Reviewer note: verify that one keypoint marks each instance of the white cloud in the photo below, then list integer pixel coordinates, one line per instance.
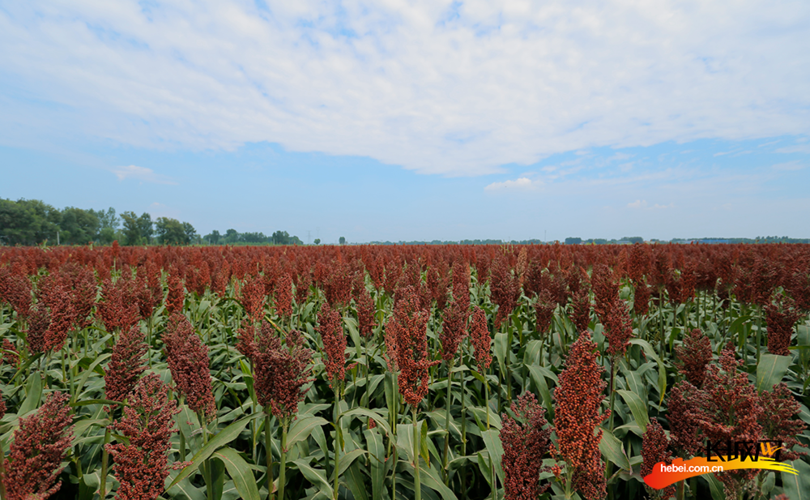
(799, 148)
(790, 166)
(642, 204)
(142, 174)
(522, 183)
(432, 85)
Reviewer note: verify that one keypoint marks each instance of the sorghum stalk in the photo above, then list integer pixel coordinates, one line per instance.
(447, 420)
(209, 484)
(417, 484)
(269, 460)
(283, 461)
(105, 458)
(337, 441)
(463, 438)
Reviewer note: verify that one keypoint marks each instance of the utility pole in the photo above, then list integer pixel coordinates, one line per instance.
(57, 237)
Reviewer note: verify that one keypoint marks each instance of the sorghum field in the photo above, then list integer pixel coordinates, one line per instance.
(436, 372)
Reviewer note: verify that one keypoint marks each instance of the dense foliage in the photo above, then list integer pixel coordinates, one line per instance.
(362, 372)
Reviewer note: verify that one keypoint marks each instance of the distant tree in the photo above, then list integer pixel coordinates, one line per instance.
(108, 225)
(78, 226)
(281, 238)
(317, 241)
(213, 238)
(132, 231)
(634, 239)
(253, 238)
(573, 241)
(231, 236)
(295, 240)
(27, 222)
(147, 229)
(170, 232)
(342, 240)
(191, 233)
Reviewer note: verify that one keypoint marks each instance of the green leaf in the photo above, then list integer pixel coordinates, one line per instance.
(240, 472)
(770, 370)
(715, 487)
(222, 438)
(423, 442)
(355, 483)
(797, 486)
(540, 381)
(315, 476)
(90, 370)
(492, 441)
(662, 370)
(379, 419)
(301, 428)
(613, 450)
(376, 450)
(347, 459)
(502, 350)
(34, 395)
(637, 407)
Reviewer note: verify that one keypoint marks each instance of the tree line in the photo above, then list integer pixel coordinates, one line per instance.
(34, 222)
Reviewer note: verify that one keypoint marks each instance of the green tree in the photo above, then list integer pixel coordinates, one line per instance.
(170, 232)
(137, 230)
(78, 226)
(317, 241)
(573, 241)
(281, 238)
(191, 233)
(253, 238)
(147, 229)
(108, 225)
(214, 237)
(342, 240)
(27, 222)
(231, 236)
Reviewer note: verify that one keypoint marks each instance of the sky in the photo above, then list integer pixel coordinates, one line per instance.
(420, 120)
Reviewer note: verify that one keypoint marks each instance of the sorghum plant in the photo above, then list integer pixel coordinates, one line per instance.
(579, 398)
(40, 445)
(525, 439)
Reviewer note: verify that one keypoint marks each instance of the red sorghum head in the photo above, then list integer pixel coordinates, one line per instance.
(189, 364)
(330, 327)
(366, 313)
(15, 289)
(778, 409)
(283, 299)
(544, 311)
(39, 318)
(39, 447)
(655, 449)
(408, 329)
(118, 309)
(481, 339)
(454, 329)
(641, 299)
(781, 315)
(525, 440)
(176, 295)
(126, 364)
(141, 466)
(280, 372)
(579, 398)
(619, 328)
(694, 356)
(581, 309)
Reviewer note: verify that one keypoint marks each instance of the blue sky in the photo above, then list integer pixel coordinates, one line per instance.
(431, 120)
